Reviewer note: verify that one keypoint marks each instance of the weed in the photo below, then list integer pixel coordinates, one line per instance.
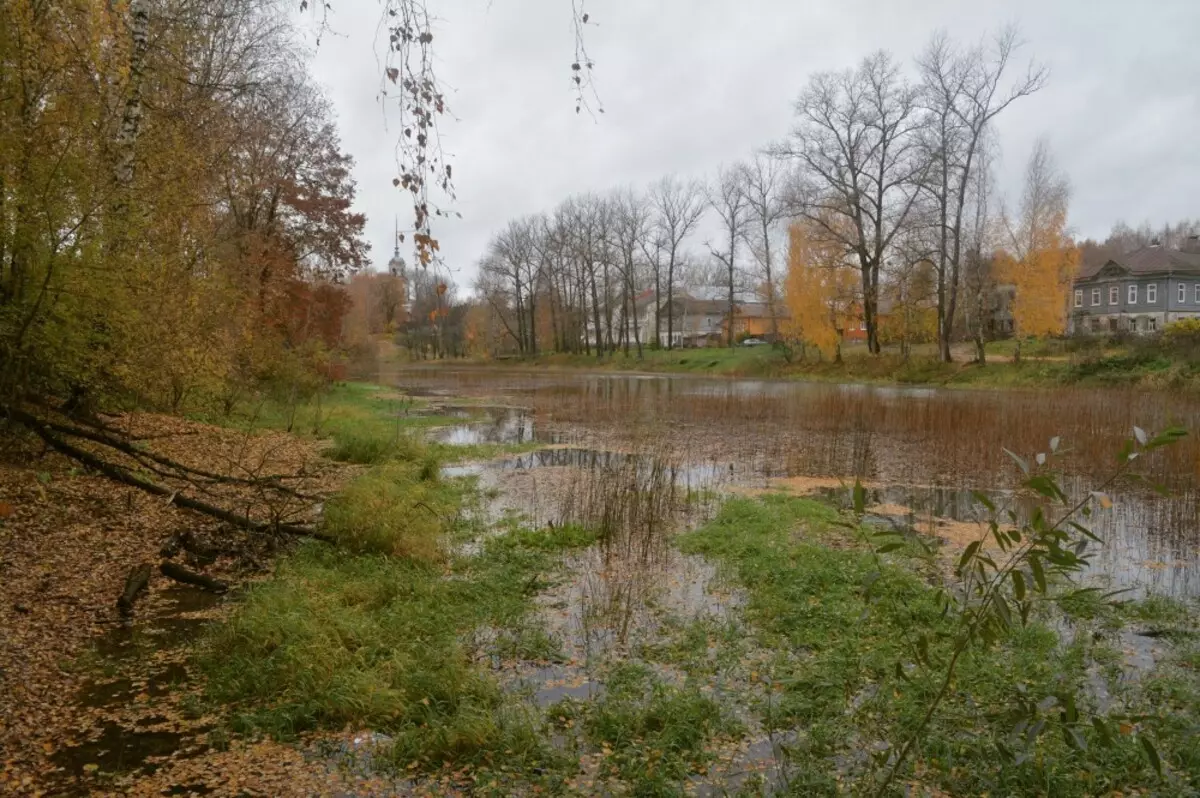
(340, 639)
(395, 509)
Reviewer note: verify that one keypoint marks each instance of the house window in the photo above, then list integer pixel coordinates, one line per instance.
(1133, 294)
(1151, 293)
(1151, 324)
(1198, 292)
(1095, 296)
(1182, 292)
(1114, 294)
(1078, 297)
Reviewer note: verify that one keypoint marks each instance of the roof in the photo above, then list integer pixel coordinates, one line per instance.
(1150, 260)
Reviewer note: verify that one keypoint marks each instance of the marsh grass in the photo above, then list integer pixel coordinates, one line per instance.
(365, 640)
(398, 509)
(834, 678)
(654, 735)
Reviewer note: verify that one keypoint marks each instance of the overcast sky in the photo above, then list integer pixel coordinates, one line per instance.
(689, 84)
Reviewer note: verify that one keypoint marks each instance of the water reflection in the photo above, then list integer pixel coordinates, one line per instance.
(747, 432)
(504, 425)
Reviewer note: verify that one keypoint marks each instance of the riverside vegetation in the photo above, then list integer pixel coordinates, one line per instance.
(844, 649)
(1168, 361)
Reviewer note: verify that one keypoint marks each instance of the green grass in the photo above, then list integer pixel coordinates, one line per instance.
(654, 734)
(834, 677)
(399, 509)
(374, 641)
(1046, 362)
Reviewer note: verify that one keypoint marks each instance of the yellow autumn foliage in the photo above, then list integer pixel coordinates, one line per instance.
(818, 291)
(1042, 278)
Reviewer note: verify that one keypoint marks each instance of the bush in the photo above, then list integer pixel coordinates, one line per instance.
(400, 510)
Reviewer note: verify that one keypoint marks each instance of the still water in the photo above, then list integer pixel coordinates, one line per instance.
(922, 450)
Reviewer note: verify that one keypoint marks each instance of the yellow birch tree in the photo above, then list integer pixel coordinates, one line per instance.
(1043, 258)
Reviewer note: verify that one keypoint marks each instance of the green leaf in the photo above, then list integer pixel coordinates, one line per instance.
(1046, 486)
(968, 554)
(889, 547)
(1018, 585)
(1020, 461)
(1002, 610)
(860, 497)
(983, 499)
(1074, 738)
(1102, 730)
(1151, 753)
(1167, 437)
(1039, 576)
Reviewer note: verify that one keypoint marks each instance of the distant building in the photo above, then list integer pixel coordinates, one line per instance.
(699, 316)
(754, 319)
(397, 268)
(1141, 291)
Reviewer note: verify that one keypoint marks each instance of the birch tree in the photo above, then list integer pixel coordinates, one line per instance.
(962, 91)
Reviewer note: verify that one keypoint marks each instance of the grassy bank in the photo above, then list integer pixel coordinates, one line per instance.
(1049, 363)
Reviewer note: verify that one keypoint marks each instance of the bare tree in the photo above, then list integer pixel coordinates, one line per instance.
(979, 239)
(678, 207)
(860, 165)
(763, 183)
(631, 225)
(727, 196)
(962, 91)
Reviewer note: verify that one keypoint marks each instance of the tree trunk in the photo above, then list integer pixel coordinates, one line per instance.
(671, 301)
(183, 575)
(135, 584)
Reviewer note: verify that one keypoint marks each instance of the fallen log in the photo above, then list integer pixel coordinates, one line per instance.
(180, 574)
(135, 584)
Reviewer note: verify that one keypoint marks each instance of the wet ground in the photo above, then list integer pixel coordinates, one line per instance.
(135, 718)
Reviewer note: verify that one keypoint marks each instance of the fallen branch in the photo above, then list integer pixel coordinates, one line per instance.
(124, 476)
(135, 584)
(184, 472)
(180, 574)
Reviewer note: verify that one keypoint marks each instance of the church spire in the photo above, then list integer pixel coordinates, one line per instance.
(396, 264)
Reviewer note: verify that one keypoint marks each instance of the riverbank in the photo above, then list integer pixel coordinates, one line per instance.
(1049, 364)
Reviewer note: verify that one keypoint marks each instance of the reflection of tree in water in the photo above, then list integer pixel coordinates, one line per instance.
(862, 458)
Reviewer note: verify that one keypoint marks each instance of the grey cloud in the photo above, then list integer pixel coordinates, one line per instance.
(689, 84)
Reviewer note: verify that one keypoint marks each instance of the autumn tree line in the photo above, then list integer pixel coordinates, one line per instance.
(175, 207)
(879, 211)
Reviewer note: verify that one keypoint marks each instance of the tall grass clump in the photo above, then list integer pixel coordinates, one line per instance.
(337, 639)
(397, 509)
